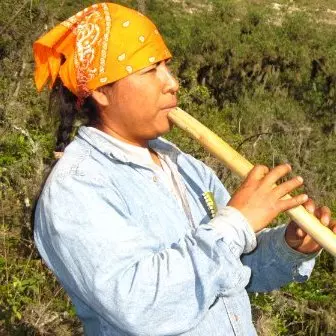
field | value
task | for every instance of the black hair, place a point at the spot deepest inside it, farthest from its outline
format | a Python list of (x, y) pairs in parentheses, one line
[(63, 106)]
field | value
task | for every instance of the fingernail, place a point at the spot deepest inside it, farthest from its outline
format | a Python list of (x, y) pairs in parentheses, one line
[(301, 233), (325, 220), (300, 179), (305, 197), (310, 209)]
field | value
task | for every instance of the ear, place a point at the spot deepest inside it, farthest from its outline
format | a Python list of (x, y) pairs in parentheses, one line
[(100, 98)]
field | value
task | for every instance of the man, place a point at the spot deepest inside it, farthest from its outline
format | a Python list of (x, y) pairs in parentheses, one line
[(121, 220)]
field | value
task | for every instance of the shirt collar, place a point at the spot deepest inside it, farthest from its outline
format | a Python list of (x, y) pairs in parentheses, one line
[(126, 152)]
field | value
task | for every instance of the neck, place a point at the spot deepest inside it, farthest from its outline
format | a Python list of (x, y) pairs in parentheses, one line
[(143, 143), (140, 143), (155, 157)]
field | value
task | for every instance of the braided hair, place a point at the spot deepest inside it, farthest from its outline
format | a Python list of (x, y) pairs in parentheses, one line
[(64, 108)]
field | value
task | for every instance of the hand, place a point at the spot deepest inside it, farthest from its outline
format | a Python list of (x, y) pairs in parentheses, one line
[(298, 239), (259, 201)]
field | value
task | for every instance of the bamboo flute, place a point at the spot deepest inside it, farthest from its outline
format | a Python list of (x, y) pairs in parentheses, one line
[(240, 166)]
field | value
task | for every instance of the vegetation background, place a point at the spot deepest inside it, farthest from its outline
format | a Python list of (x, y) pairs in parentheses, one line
[(261, 74)]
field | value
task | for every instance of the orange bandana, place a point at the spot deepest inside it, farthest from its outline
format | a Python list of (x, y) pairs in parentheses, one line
[(99, 45)]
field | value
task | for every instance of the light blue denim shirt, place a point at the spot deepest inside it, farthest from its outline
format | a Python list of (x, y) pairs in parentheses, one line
[(135, 262)]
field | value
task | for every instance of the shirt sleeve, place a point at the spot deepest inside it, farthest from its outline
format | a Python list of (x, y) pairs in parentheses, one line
[(275, 264), (85, 234)]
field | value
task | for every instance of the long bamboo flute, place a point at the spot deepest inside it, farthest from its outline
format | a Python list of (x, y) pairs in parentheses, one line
[(240, 166)]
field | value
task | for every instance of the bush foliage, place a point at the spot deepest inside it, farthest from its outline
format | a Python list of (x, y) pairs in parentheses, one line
[(261, 75)]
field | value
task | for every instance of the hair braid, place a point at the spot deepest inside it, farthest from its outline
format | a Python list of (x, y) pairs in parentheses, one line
[(63, 106)]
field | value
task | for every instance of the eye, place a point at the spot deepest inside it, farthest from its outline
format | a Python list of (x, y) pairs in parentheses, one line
[(149, 70), (153, 69)]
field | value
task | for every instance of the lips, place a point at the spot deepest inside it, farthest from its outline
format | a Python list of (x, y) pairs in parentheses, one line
[(169, 107)]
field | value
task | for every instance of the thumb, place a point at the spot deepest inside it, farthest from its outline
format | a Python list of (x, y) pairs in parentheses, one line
[(294, 235)]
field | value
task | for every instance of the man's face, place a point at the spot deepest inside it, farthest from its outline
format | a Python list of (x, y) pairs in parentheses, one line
[(139, 104)]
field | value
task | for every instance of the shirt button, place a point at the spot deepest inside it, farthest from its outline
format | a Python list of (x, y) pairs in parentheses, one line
[(155, 178)]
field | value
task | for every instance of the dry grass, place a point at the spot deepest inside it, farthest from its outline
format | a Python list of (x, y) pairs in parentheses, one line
[(322, 10)]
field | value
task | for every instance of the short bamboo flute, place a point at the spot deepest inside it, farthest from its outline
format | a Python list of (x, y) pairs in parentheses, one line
[(240, 166)]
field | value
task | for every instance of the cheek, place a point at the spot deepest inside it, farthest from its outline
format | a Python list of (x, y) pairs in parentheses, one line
[(140, 101)]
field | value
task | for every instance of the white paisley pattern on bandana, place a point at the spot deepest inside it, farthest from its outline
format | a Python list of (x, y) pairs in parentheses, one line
[(86, 25)]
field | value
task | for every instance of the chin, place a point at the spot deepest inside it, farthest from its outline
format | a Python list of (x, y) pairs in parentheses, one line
[(167, 128), (159, 133)]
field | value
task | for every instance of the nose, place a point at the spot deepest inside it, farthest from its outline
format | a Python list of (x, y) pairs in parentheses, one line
[(171, 84)]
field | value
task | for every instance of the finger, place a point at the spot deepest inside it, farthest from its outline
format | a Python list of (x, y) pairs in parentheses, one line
[(292, 202), (288, 186), (276, 173), (324, 214), (257, 173), (310, 206)]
